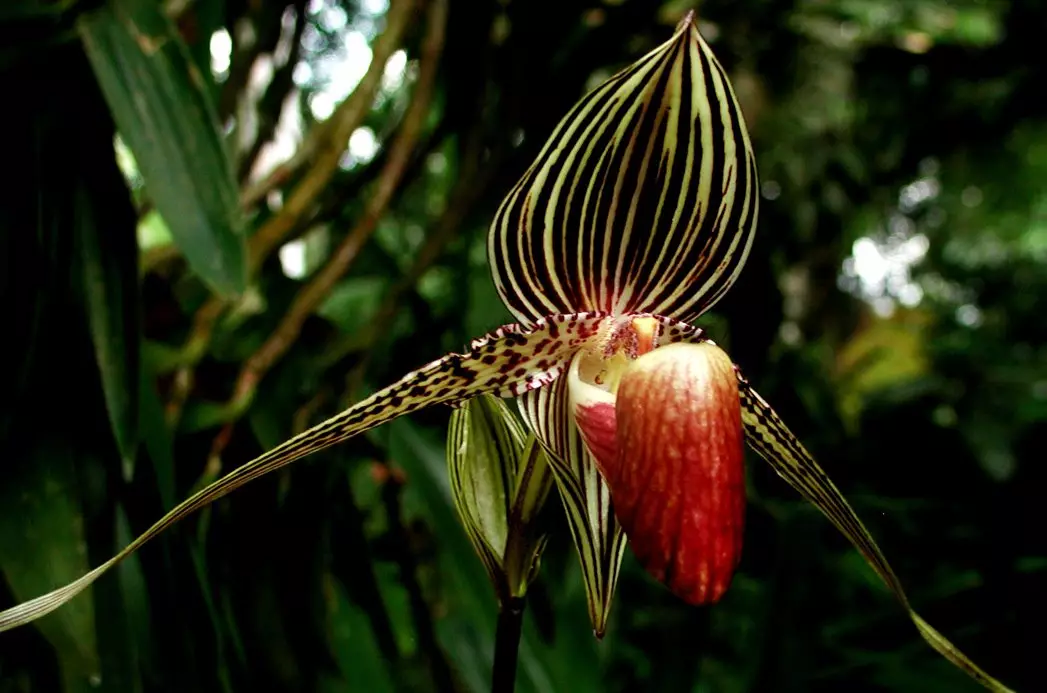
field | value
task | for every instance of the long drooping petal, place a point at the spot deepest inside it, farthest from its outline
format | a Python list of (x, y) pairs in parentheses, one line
[(772, 439), (507, 362), (644, 199)]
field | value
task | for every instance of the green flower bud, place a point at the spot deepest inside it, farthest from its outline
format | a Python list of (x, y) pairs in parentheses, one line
[(500, 480)]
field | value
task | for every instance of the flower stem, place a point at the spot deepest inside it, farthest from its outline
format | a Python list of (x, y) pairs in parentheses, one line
[(507, 644)]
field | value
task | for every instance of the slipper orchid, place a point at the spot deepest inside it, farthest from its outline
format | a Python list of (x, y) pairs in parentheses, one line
[(636, 217)]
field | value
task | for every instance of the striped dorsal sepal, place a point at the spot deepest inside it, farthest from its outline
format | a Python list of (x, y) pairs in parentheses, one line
[(644, 198)]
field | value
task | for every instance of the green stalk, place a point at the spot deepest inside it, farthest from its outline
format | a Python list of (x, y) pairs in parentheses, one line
[(507, 644)]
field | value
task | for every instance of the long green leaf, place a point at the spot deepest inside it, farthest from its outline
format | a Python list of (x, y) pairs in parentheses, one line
[(42, 543), (359, 658), (156, 437), (36, 255), (119, 600), (109, 270), (164, 113)]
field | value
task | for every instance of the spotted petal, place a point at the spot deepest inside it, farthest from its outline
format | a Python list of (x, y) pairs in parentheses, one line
[(644, 199), (507, 362)]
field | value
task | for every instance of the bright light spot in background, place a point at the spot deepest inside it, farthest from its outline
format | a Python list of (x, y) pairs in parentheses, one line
[(968, 315), (287, 138), (292, 258), (395, 69), (221, 52), (322, 105), (302, 74), (910, 295), (363, 145), (340, 71), (126, 161), (374, 7), (285, 43), (880, 272), (261, 75), (916, 193), (332, 18)]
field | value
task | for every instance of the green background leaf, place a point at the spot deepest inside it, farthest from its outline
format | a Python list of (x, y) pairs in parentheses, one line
[(163, 110)]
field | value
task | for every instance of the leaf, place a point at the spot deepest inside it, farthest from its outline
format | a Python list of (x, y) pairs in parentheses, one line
[(109, 270), (103, 227), (768, 435), (354, 647), (121, 598), (36, 258), (156, 437), (34, 9), (163, 111), (42, 543), (134, 595)]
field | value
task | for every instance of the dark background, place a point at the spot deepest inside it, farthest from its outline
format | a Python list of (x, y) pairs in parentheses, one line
[(891, 310)]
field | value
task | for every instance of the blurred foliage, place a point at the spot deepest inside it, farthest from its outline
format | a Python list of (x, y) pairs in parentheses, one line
[(891, 310)]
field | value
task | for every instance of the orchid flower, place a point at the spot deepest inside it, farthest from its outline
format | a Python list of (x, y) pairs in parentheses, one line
[(636, 217)]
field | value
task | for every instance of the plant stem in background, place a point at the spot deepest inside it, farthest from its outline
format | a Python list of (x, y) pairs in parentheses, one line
[(507, 644)]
